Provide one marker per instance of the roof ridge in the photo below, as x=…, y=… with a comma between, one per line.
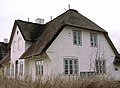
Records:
x=29, y=22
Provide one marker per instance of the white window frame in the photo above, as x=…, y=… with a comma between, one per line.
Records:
x=21, y=68
x=93, y=39
x=71, y=67
x=77, y=38
x=100, y=66
x=14, y=46
x=19, y=43
x=39, y=67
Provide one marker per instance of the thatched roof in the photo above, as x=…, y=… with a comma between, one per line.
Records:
x=30, y=31
x=3, y=49
x=6, y=58
x=42, y=35
x=54, y=27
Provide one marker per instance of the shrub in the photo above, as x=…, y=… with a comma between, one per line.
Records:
x=58, y=81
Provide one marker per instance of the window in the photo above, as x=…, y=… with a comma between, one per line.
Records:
x=21, y=69
x=116, y=69
x=71, y=66
x=17, y=32
x=8, y=70
x=93, y=39
x=12, y=70
x=19, y=43
x=77, y=38
x=39, y=68
x=14, y=46
x=16, y=67
x=100, y=66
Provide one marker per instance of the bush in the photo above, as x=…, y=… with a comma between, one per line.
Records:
x=58, y=81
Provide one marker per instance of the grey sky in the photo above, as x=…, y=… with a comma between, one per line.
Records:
x=105, y=13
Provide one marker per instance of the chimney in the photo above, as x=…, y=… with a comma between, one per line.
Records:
x=39, y=21
x=5, y=40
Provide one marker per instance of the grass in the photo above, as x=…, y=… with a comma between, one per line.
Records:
x=58, y=81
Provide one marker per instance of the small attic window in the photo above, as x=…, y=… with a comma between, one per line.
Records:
x=116, y=69
x=17, y=32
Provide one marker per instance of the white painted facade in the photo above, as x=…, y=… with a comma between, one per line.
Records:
x=15, y=54
x=63, y=47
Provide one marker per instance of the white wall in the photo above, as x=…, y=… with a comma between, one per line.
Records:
x=30, y=66
x=63, y=47
x=15, y=55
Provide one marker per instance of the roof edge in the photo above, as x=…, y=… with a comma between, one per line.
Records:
x=117, y=57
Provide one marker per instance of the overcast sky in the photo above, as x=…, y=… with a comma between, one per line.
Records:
x=105, y=13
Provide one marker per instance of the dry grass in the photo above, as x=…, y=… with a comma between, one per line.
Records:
x=58, y=82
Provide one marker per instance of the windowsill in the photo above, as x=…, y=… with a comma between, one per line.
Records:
x=71, y=74
x=95, y=46
x=37, y=76
x=77, y=44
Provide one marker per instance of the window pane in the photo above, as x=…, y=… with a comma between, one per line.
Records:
x=76, y=67
x=96, y=62
x=66, y=71
x=76, y=71
x=91, y=38
x=75, y=37
x=70, y=61
x=21, y=68
x=66, y=61
x=76, y=62
x=71, y=71
x=42, y=69
x=100, y=61
x=66, y=66
x=104, y=66
x=78, y=37
x=71, y=67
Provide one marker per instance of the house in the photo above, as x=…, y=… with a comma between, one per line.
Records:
x=70, y=44
x=3, y=49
